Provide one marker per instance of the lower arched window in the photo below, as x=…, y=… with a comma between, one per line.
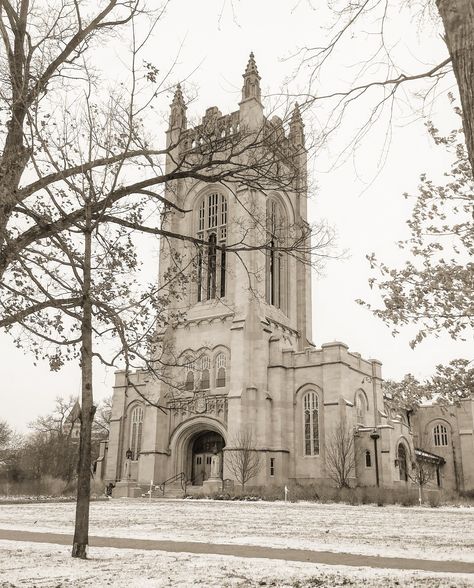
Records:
x=205, y=373
x=402, y=462
x=220, y=370
x=136, y=426
x=311, y=423
x=189, y=379
x=440, y=435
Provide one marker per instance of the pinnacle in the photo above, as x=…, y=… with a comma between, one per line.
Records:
x=296, y=115
x=178, y=95
x=251, y=66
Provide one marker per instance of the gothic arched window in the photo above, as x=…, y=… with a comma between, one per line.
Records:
x=205, y=373
x=189, y=379
x=220, y=367
x=276, y=262
x=189, y=384
x=361, y=408
x=440, y=436
x=136, y=426
x=311, y=423
x=212, y=228
x=402, y=462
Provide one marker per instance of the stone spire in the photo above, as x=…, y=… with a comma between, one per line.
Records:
x=296, y=135
x=178, y=110
x=251, y=87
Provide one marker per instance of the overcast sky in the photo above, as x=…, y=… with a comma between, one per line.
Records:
x=367, y=209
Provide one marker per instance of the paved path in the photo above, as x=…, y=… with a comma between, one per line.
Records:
x=305, y=555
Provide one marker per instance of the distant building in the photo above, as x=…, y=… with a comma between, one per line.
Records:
x=245, y=360
x=448, y=433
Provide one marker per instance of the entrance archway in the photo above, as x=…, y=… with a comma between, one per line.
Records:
x=182, y=441
x=201, y=449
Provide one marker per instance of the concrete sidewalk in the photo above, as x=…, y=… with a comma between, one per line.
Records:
x=250, y=551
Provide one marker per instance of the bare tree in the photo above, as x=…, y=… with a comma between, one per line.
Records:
x=5, y=434
x=103, y=414
x=71, y=200
x=382, y=73
x=425, y=467
x=341, y=454
x=242, y=459
x=56, y=423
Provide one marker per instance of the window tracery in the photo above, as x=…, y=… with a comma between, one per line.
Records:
x=440, y=435
x=220, y=367
x=311, y=423
x=205, y=373
x=276, y=262
x=136, y=427
x=211, y=262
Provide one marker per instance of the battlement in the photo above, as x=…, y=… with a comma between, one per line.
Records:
x=229, y=128
x=214, y=126
x=334, y=352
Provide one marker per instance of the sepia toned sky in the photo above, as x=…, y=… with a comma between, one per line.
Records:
x=362, y=197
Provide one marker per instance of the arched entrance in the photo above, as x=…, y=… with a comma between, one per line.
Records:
x=201, y=449
x=182, y=443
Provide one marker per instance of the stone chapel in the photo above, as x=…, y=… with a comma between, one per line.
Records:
x=246, y=368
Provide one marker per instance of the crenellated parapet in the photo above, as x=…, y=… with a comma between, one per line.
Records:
x=221, y=132
x=215, y=127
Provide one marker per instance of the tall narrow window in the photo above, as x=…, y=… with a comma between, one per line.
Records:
x=220, y=371
x=368, y=459
x=136, y=426
x=276, y=279
x=211, y=264
x=402, y=463
x=440, y=436
x=205, y=373
x=189, y=384
x=189, y=379
x=272, y=466
x=361, y=408
x=311, y=423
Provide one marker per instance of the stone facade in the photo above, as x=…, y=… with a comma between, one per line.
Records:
x=244, y=362
x=448, y=432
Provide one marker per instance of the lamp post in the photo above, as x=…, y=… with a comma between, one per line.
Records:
x=374, y=436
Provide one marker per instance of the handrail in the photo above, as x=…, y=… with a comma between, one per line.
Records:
x=181, y=477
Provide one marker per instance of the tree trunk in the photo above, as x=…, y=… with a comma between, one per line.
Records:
x=81, y=530
x=458, y=21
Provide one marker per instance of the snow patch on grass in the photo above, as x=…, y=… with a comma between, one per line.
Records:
x=41, y=565
x=441, y=533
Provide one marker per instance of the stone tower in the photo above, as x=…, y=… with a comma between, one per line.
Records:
x=242, y=368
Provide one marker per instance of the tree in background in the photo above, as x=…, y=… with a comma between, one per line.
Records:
x=242, y=459
x=5, y=434
x=435, y=288
x=424, y=468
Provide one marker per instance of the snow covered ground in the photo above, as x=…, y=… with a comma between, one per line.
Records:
x=428, y=533
x=443, y=533
x=41, y=565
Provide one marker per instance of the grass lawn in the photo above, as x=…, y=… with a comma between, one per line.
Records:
x=443, y=533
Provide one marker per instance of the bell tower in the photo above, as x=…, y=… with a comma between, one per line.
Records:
x=241, y=239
